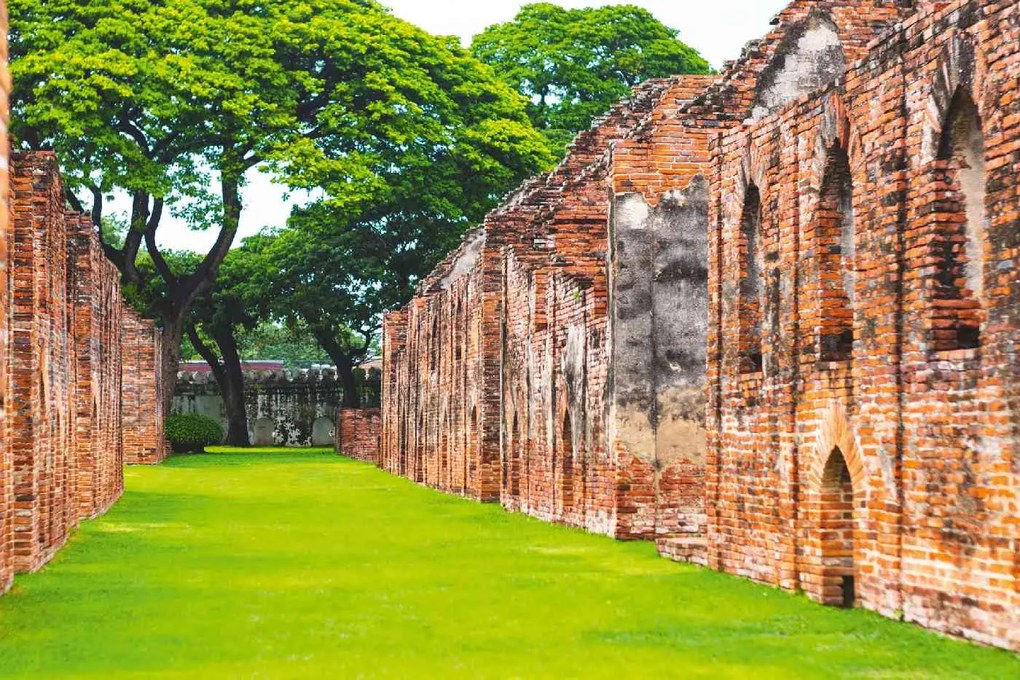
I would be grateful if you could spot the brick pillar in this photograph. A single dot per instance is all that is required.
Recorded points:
(143, 436)
(358, 433)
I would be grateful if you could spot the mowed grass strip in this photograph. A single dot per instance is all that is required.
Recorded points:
(301, 564)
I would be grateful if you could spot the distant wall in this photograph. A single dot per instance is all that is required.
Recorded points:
(284, 409)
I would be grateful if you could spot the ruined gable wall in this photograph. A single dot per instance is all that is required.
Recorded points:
(555, 461)
(926, 436)
(658, 277)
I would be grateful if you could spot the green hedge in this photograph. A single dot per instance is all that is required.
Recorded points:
(191, 432)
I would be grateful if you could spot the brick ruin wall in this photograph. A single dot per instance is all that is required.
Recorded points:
(358, 433)
(864, 393)
(284, 408)
(67, 423)
(774, 349)
(6, 460)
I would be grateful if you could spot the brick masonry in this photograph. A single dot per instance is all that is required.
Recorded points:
(6, 459)
(767, 319)
(142, 432)
(358, 433)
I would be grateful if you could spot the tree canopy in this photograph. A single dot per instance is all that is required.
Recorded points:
(402, 136)
(574, 64)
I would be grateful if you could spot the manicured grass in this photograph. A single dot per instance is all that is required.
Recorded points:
(303, 564)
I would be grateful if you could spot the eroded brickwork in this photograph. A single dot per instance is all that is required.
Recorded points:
(97, 312)
(64, 386)
(870, 454)
(41, 364)
(6, 459)
(358, 433)
(769, 321)
(144, 442)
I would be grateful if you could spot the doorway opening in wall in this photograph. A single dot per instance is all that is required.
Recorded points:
(837, 533)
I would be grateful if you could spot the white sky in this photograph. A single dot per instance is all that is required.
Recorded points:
(717, 28)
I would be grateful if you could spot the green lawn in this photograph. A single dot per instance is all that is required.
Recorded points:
(303, 564)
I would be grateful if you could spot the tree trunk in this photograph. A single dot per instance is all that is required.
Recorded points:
(344, 368)
(345, 373)
(232, 389)
(230, 380)
(173, 332)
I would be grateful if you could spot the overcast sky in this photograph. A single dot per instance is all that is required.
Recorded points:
(717, 28)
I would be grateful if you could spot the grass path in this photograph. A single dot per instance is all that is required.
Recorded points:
(302, 564)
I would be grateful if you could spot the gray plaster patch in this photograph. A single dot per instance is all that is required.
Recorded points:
(810, 59)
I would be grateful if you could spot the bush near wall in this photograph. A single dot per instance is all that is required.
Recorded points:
(192, 432)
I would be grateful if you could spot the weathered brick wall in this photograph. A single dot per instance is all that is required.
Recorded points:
(771, 323)
(97, 310)
(871, 454)
(358, 433)
(6, 460)
(41, 364)
(144, 442)
(64, 355)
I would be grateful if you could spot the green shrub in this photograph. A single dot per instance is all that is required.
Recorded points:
(192, 432)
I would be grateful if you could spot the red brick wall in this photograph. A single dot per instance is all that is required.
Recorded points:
(144, 442)
(925, 424)
(65, 367)
(97, 319)
(6, 460)
(41, 364)
(358, 432)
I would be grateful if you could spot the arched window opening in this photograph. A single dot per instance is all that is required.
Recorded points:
(835, 237)
(961, 233)
(837, 532)
(750, 283)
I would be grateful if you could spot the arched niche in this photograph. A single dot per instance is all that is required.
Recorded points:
(264, 432)
(323, 432)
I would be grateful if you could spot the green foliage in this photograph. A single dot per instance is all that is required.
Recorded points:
(295, 346)
(271, 340)
(405, 136)
(192, 432)
(574, 64)
(301, 564)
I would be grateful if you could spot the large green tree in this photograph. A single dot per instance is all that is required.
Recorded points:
(235, 304)
(458, 140)
(172, 102)
(574, 64)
